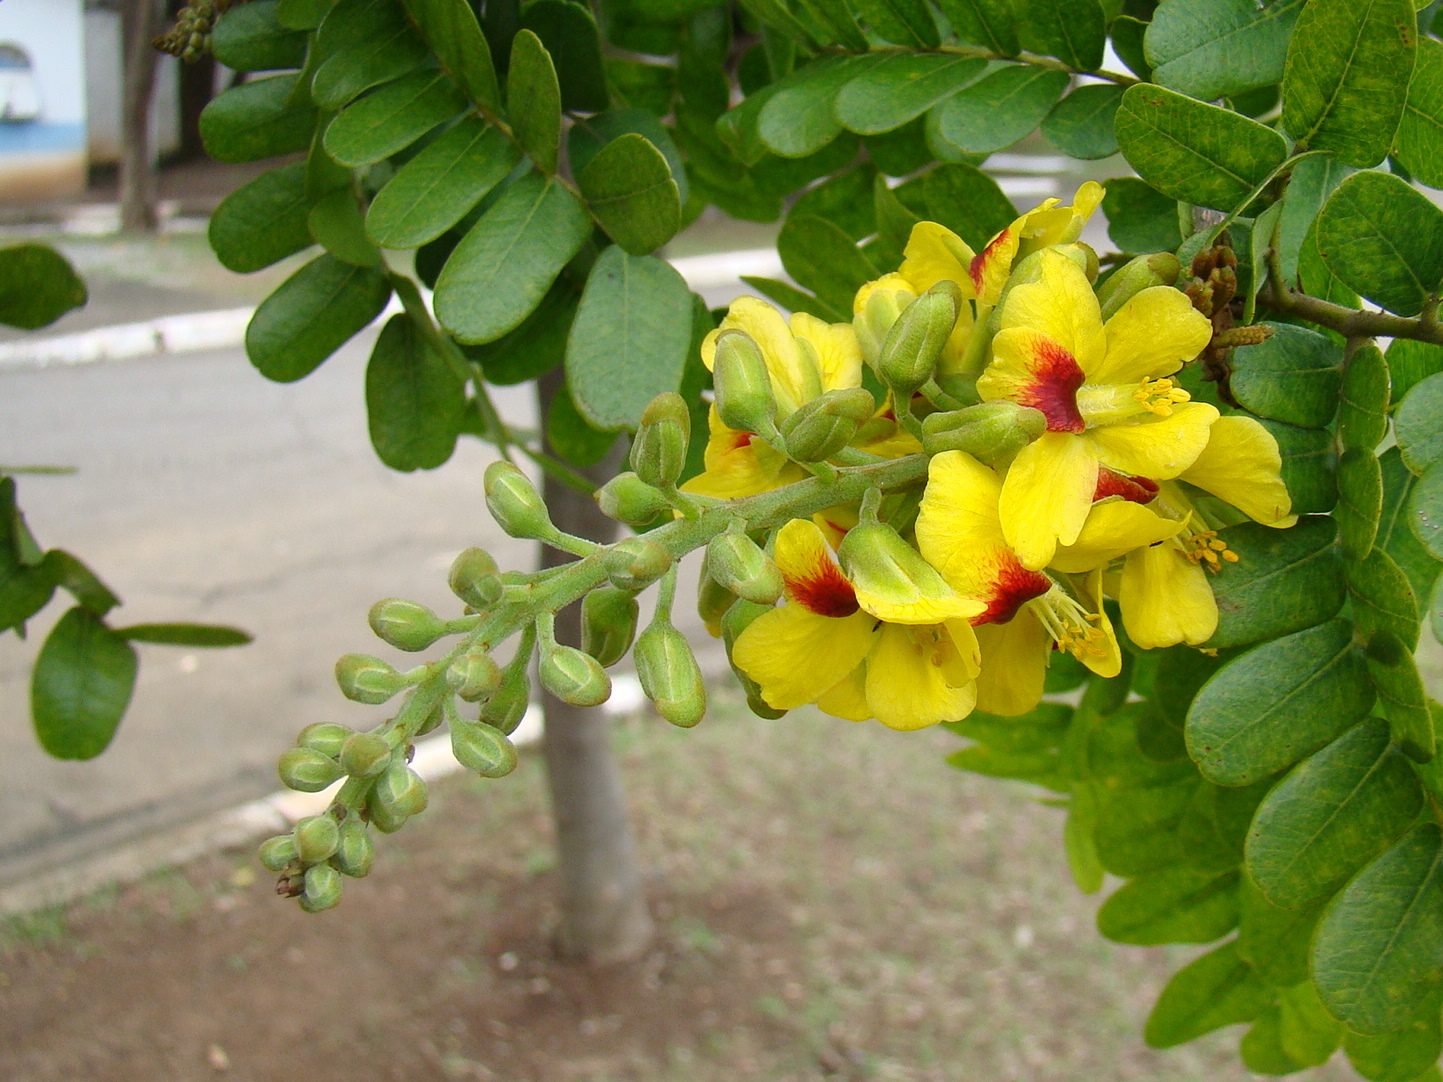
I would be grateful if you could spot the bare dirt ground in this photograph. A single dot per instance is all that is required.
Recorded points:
(834, 902)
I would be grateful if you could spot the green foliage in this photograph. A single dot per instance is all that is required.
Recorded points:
(1383, 239)
(1293, 376)
(1284, 581)
(414, 399)
(258, 119)
(1219, 48)
(37, 286)
(313, 313)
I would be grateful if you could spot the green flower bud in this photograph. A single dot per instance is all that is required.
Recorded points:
(883, 305)
(474, 675)
(278, 853)
(482, 748)
(909, 355)
(735, 561)
(636, 562)
(365, 755)
(400, 790)
(307, 771)
(1029, 269)
(323, 889)
(433, 720)
(1130, 279)
(736, 620)
(627, 498)
(474, 579)
(355, 854)
(573, 676)
(515, 504)
(366, 679)
(991, 432)
(317, 837)
(325, 737)
(669, 675)
(659, 451)
(823, 426)
(608, 623)
(507, 704)
(405, 625)
(879, 563)
(712, 601)
(744, 398)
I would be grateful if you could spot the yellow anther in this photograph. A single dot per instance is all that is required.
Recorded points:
(1160, 395)
(1209, 550)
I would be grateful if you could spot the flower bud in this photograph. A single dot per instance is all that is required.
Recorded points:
(515, 504)
(1130, 279)
(325, 737)
(712, 601)
(573, 676)
(366, 679)
(658, 453)
(355, 854)
(990, 432)
(744, 398)
(474, 675)
(316, 838)
(737, 619)
(474, 578)
(913, 345)
(278, 853)
(823, 426)
(881, 566)
(507, 704)
(636, 562)
(365, 755)
(627, 498)
(877, 307)
(608, 624)
(735, 561)
(432, 721)
(400, 790)
(323, 889)
(406, 625)
(482, 748)
(307, 771)
(669, 675)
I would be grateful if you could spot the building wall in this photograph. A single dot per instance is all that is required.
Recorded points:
(103, 90)
(45, 158)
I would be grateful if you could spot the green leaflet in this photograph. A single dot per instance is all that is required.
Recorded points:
(1081, 124)
(1269, 707)
(968, 202)
(1425, 511)
(1395, 535)
(1137, 829)
(571, 436)
(257, 120)
(262, 222)
(536, 346)
(1192, 151)
(999, 109)
(629, 340)
(587, 137)
(1363, 409)
(1402, 1055)
(70, 574)
(1309, 465)
(1074, 31)
(989, 23)
(904, 22)
(250, 37)
(366, 43)
(1360, 501)
(392, 118)
(1284, 581)
(26, 585)
(570, 35)
(311, 315)
(1219, 989)
(201, 636)
(1217, 48)
(451, 29)
(414, 399)
(336, 223)
(1419, 424)
(1140, 219)
(302, 14)
(1293, 377)
(899, 89)
(850, 201)
(37, 286)
(1346, 84)
(628, 187)
(819, 256)
(1384, 239)
(1401, 698)
(1276, 941)
(1382, 597)
(1419, 145)
(1375, 954)
(533, 97)
(1332, 814)
(1174, 905)
(81, 684)
(1312, 181)
(650, 87)
(1411, 362)
(504, 265)
(1128, 35)
(1040, 730)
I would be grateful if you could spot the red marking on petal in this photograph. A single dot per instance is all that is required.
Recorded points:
(977, 269)
(1012, 587)
(1132, 489)
(842, 531)
(823, 589)
(1056, 376)
(741, 439)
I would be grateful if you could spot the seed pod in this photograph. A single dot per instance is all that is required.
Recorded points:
(573, 676)
(400, 790)
(366, 679)
(307, 771)
(474, 578)
(323, 888)
(278, 853)
(669, 675)
(608, 624)
(744, 398)
(737, 619)
(365, 755)
(355, 854)
(658, 453)
(482, 748)
(507, 704)
(627, 498)
(991, 432)
(474, 675)
(1130, 279)
(735, 561)
(325, 737)
(405, 625)
(515, 504)
(909, 355)
(712, 601)
(317, 837)
(636, 562)
(823, 426)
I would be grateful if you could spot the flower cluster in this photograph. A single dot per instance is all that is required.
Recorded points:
(1068, 466)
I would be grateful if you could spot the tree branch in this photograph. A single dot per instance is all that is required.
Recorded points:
(1351, 322)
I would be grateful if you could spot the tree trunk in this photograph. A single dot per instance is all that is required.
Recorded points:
(197, 88)
(603, 908)
(139, 24)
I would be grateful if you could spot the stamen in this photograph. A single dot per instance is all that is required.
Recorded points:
(1160, 395)
(1209, 550)
(1072, 627)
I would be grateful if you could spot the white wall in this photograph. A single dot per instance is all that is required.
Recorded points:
(51, 32)
(103, 89)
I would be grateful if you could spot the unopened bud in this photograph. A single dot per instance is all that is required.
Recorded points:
(991, 432)
(636, 562)
(887, 571)
(1130, 279)
(735, 561)
(482, 748)
(406, 625)
(316, 838)
(737, 619)
(627, 498)
(325, 737)
(608, 624)
(573, 676)
(366, 679)
(323, 889)
(474, 675)
(474, 578)
(515, 504)
(744, 398)
(878, 305)
(658, 453)
(355, 854)
(307, 771)
(669, 675)
(400, 790)
(712, 601)
(365, 755)
(914, 344)
(507, 704)
(278, 853)
(822, 427)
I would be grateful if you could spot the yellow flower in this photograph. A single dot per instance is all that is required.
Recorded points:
(826, 645)
(1104, 392)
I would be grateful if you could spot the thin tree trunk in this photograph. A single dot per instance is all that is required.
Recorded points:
(139, 24)
(603, 908)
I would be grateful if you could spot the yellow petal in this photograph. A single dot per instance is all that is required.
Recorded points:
(848, 700)
(1150, 336)
(839, 358)
(1166, 598)
(812, 577)
(1061, 305)
(889, 283)
(964, 641)
(796, 656)
(936, 254)
(1033, 369)
(786, 363)
(1107, 661)
(1014, 665)
(1241, 464)
(1112, 529)
(1047, 495)
(958, 520)
(738, 464)
(1159, 448)
(907, 679)
(991, 267)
